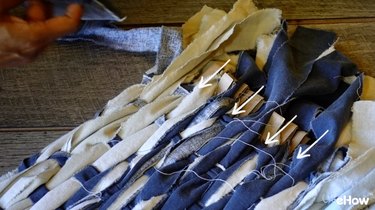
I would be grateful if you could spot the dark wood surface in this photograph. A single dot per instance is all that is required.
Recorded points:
(39, 102)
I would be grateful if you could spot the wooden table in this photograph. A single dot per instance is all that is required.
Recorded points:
(39, 103)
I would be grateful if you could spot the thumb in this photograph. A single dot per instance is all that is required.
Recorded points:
(60, 26)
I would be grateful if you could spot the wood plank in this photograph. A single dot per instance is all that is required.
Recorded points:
(15, 146)
(143, 12)
(67, 85)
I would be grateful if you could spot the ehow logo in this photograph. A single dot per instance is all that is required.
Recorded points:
(349, 200)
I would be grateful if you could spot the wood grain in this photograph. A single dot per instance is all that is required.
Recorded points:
(144, 12)
(15, 146)
(67, 84)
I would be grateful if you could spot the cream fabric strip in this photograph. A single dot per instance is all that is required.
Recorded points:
(195, 99)
(56, 197)
(148, 114)
(246, 33)
(94, 125)
(32, 179)
(124, 98)
(126, 196)
(102, 136)
(74, 137)
(22, 205)
(199, 23)
(149, 204)
(363, 132)
(128, 146)
(76, 162)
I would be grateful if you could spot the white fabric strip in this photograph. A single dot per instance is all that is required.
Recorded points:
(77, 162)
(148, 114)
(195, 99)
(363, 132)
(149, 204)
(339, 182)
(69, 140)
(102, 136)
(264, 46)
(127, 195)
(124, 98)
(28, 182)
(125, 148)
(56, 197)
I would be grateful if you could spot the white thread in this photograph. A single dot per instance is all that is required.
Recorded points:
(251, 206)
(238, 120)
(220, 166)
(358, 89)
(91, 193)
(275, 102)
(274, 160)
(196, 174)
(277, 50)
(254, 121)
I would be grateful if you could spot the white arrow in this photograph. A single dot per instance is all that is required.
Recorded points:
(238, 110)
(272, 139)
(303, 154)
(203, 83)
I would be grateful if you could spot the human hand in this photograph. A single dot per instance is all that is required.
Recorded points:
(21, 40)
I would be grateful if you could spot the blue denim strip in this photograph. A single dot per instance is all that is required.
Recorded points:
(191, 187)
(216, 108)
(87, 185)
(114, 141)
(86, 174)
(306, 111)
(160, 183)
(109, 197)
(215, 185)
(60, 157)
(38, 193)
(27, 162)
(191, 144)
(211, 108)
(257, 188)
(332, 119)
(249, 72)
(209, 161)
(165, 42)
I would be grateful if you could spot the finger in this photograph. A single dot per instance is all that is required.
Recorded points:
(6, 5)
(12, 59)
(36, 11)
(59, 26)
